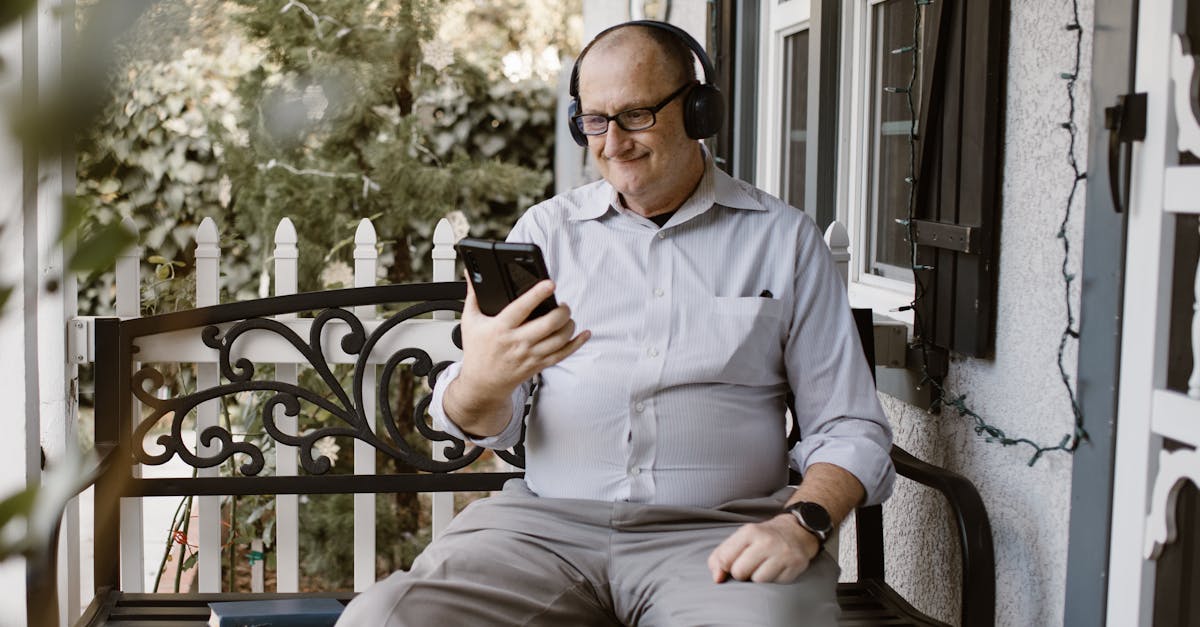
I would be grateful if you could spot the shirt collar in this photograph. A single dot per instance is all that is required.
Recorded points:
(715, 188)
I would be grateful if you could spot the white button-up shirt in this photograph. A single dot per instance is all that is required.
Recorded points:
(699, 329)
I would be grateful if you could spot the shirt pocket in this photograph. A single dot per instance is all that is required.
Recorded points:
(734, 340)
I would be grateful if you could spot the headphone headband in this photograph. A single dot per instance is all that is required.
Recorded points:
(710, 73)
(703, 105)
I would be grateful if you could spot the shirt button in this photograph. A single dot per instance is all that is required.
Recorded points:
(658, 291)
(639, 407)
(662, 236)
(653, 352)
(635, 471)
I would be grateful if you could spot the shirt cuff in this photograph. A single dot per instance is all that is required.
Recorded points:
(507, 438)
(867, 458)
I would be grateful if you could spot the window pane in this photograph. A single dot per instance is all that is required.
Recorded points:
(891, 25)
(795, 112)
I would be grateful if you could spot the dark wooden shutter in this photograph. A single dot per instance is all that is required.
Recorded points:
(959, 173)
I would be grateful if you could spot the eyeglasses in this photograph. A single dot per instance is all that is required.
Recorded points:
(638, 119)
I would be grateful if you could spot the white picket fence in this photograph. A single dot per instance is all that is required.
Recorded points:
(206, 533)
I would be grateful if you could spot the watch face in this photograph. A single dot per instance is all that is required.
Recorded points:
(815, 515)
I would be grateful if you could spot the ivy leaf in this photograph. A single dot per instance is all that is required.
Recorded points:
(99, 250)
(189, 562)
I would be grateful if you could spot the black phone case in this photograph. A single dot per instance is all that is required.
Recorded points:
(502, 271)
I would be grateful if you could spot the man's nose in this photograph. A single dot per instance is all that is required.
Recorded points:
(616, 139)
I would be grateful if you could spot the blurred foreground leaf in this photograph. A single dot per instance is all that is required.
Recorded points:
(74, 210)
(51, 123)
(29, 518)
(11, 10)
(99, 249)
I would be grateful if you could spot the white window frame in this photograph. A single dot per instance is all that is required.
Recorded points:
(779, 21)
(884, 296)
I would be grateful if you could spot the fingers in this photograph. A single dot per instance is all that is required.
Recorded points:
(755, 553)
(721, 560)
(568, 348)
(547, 325)
(470, 305)
(518, 311)
(754, 564)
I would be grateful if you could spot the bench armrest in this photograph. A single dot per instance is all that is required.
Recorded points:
(974, 534)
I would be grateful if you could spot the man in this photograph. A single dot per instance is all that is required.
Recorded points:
(655, 486)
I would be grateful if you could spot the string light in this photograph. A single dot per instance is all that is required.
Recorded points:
(942, 398)
(1070, 333)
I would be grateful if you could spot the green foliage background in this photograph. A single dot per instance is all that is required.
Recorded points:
(325, 124)
(325, 112)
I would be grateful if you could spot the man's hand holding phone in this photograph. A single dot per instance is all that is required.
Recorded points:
(502, 351)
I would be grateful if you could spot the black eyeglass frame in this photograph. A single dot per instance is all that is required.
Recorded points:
(579, 117)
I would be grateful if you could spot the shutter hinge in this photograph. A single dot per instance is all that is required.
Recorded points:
(956, 237)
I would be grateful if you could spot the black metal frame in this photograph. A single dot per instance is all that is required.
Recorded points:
(117, 384)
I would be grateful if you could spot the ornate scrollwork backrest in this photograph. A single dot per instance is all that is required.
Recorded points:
(345, 406)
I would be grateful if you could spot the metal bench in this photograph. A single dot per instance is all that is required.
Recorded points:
(236, 331)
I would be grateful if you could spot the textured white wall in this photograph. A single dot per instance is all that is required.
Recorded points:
(1020, 390)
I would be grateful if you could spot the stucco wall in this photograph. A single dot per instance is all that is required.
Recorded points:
(1020, 390)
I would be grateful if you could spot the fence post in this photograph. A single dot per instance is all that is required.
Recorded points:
(365, 257)
(443, 270)
(287, 506)
(838, 241)
(129, 305)
(208, 269)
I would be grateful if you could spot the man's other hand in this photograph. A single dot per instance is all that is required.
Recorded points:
(773, 551)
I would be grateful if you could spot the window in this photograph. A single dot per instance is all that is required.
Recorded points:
(886, 246)
(784, 100)
(795, 113)
(834, 142)
(873, 193)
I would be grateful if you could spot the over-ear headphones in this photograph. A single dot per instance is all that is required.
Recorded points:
(703, 106)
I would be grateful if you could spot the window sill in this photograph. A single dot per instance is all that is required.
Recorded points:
(882, 301)
(898, 370)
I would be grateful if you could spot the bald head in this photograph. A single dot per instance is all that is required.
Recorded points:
(653, 48)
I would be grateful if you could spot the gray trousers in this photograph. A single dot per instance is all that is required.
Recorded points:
(519, 559)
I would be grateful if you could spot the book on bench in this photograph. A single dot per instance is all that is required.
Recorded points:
(297, 612)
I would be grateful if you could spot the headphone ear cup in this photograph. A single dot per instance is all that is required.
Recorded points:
(703, 111)
(576, 134)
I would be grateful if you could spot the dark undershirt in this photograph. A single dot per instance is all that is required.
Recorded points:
(661, 219)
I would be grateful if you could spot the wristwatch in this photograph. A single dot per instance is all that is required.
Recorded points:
(814, 518)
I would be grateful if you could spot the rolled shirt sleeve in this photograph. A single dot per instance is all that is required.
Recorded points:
(837, 407)
(507, 438)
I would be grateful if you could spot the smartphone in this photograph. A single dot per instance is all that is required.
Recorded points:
(502, 271)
